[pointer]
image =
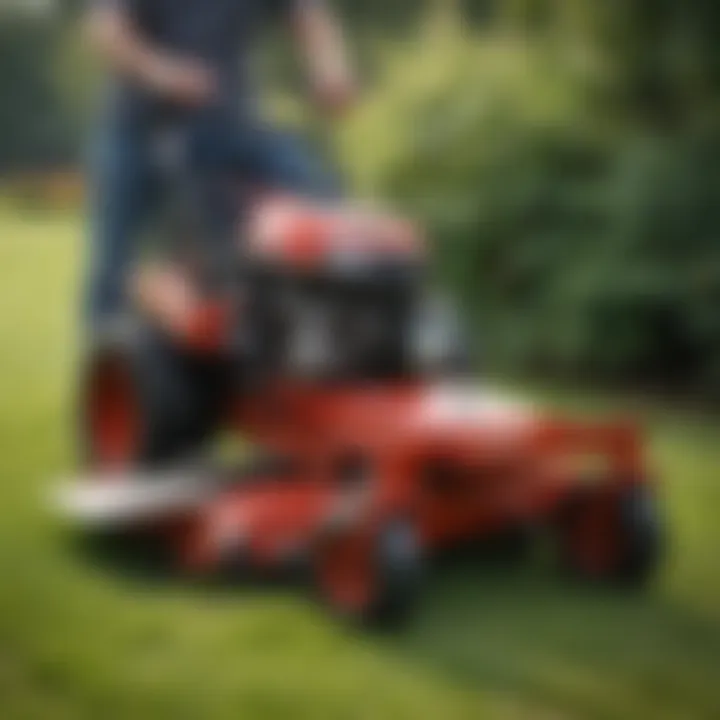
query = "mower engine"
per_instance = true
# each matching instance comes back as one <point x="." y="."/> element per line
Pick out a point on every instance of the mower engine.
<point x="324" y="295"/>
<point x="334" y="296"/>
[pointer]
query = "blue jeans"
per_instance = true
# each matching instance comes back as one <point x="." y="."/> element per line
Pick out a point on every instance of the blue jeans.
<point x="126" y="184"/>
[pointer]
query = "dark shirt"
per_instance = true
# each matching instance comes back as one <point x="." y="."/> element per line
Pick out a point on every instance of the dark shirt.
<point x="220" y="33"/>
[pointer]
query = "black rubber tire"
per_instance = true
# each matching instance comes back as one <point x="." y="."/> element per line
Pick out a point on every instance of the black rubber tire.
<point x="397" y="572"/>
<point x="512" y="546"/>
<point x="643" y="527"/>
<point x="399" y="567"/>
<point x="179" y="397"/>
<point x="637" y="533"/>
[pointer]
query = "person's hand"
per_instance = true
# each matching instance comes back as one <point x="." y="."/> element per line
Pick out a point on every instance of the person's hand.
<point x="187" y="82"/>
<point x="335" y="94"/>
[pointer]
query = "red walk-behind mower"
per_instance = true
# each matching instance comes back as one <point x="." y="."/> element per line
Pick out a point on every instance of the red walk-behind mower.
<point x="335" y="363"/>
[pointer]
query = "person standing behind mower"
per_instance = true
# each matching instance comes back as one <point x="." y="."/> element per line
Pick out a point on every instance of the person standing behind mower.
<point x="185" y="64"/>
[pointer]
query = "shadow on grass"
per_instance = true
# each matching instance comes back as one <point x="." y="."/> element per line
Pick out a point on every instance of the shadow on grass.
<point x="519" y="632"/>
<point x="587" y="651"/>
<point x="148" y="561"/>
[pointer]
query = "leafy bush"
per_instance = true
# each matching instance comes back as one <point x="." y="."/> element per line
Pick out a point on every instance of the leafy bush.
<point x="577" y="243"/>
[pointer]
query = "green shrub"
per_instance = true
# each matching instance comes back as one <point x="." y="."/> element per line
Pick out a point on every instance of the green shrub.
<point x="576" y="243"/>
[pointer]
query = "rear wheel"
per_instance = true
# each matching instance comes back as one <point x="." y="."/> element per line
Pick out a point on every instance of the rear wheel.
<point x="371" y="579"/>
<point x="145" y="403"/>
<point x="610" y="534"/>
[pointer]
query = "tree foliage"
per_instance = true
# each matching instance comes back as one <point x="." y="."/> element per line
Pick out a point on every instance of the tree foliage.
<point x="576" y="213"/>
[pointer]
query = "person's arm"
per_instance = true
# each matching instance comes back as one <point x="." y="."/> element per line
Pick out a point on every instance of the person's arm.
<point x="114" y="36"/>
<point x="322" y="43"/>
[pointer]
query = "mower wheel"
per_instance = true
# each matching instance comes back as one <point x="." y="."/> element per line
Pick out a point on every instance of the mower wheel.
<point x="610" y="535"/>
<point x="145" y="403"/>
<point x="371" y="580"/>
<point x="512" y="546"/>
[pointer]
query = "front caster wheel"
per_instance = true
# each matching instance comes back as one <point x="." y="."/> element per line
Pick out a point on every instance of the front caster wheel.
<point x="372" y="578"/>
<point x="610" y="534"/>
<point x="145" y="403"/>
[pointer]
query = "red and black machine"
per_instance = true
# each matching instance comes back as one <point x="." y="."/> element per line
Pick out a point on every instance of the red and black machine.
<point x="336" y="364"/>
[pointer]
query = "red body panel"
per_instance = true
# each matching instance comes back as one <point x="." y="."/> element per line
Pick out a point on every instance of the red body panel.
<point x="461" y="463"/>
<point x="305" y="236"/>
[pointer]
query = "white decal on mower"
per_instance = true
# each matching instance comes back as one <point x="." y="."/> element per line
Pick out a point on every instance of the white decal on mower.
<point x="462" y="404"/>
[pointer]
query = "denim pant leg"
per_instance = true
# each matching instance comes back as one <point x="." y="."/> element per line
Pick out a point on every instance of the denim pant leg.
<point x="225" y="153"/>
<point x="121" y="188"/>
<point x="282" y="161"/>
<point x="223" y="145"/>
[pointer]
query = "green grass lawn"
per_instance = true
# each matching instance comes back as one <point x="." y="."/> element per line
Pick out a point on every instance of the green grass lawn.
<point x="80" y="639"/>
